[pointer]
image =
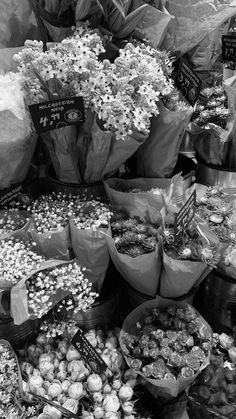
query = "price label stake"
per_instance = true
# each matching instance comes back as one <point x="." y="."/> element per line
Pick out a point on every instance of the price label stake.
<point x="184" y="216"/>
<point x="88" y="353"/>
<point x="188" y="82"/>
<point x="229" y="48"/>
<point x="57" y="113"/>
<point x="15" y="195"/>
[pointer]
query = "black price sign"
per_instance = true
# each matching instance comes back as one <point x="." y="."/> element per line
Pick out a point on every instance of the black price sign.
<point x="88" y="353"/>
<point x="57" y="113"/>
<point x="16" y="195"/>
<point x="229" y="48"/>
<point x="184" y="217"/>
<point x="188" y="82"/>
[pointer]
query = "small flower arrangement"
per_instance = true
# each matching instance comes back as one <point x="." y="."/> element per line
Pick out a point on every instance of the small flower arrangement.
<point x="192" y="247"/>
<point x="213" y="108"/>
<point x="18" y="259"/>
<point x="134" y="237"/>
<point x="42" y="288"/>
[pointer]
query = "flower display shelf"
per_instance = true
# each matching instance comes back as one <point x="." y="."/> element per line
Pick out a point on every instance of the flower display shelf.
<point x="210" y="175"/>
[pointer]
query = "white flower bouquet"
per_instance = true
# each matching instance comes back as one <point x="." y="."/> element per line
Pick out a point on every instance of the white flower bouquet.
<point x="119" y="100"/>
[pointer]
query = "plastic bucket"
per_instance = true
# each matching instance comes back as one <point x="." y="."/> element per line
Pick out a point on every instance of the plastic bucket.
<point x="89" y="191"/>
<point x="216" y="301"/>
<point x="210" y="175"/>
<point x="18" y="335"/>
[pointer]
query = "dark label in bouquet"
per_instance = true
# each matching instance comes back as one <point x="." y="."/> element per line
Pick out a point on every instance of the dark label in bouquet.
<point x="16" y="195"/>
<point x="57" y="113"/>
<point x="88" y="353"/>
<point x="229" y="48"/>
<point x="188" y="82"/>
<point x="184" y="217"/>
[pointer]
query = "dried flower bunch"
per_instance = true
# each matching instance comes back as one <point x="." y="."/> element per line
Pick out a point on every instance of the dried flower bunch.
<point x="18" y="259"/>
<point x="55" y="370"/>
<point x="11" y="220"/>
<point x="168" y="343"/>
<point x="43" y="286"/>
<point x="213" y="108"/>
<point x="192" y="246"/>
<point x="132" y="236"/>
<point x="49" y="212"/>
<point x="89" y="214"/>
<point x="219" y="212"/>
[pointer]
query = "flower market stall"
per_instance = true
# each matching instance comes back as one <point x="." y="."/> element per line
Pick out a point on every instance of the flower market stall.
<point x="117" y="209"/>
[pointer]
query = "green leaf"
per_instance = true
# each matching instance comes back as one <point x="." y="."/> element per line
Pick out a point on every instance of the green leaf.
<point x="119" y="5"/>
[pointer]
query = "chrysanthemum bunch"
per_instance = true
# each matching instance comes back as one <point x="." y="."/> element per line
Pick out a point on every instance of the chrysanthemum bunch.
<point x="43" y="286"/>
<point x="57" y="71"/>
<point x="213" y="108"/>
<point x="192" y="246"/>
<point x="134" y="237"/>
<point x="17" y="259"/>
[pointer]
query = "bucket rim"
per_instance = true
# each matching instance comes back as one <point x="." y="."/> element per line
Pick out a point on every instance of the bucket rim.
<point x="213" y="166"/>
<point x="223" y="276"/>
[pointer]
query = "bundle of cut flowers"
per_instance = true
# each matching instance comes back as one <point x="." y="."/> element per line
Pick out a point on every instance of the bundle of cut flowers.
<point x="12" y="220"/>
<point x="11" y="405"/>
<point x="54" y="369"/>
<point x="134" y="250"/>
<point x="215" y="387"/>
<point x="166" y="343"/>
<point x="56" y="282"/>
<point x="212" y="126"/>
<point x="119" y="100"/>
<point x="188" y="260"/>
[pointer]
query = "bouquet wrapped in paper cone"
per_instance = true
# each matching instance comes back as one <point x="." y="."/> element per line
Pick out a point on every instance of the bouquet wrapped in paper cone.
<point x="57" y="282"/>
<point x="143" y="197"/>
<point x="89" y="222"/>
<point x="156" y="158"/>
<point x="212" y="126"/>
<point x="134" y="250"/>
<point x="13" y="222"/>
<point x="50" y="226"/>
<point x="17" y="141"/>
<point x="188" y="261"/>
<point x="167" y="343"/>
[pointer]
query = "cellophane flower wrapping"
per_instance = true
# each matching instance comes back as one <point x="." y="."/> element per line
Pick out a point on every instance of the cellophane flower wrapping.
<point x="230" y="87"/>
<point x="141" y="271"/>
<point x="187" y="263"/>
<point x="143" y="197"/>
<point x="25" y="306"/>
<point x="17" y="141"/>
<point x="213" y="126"/>
<point x="156" y="158"/>
<point x="53" y="244"/>
<point x="12" y="222"/>
<point x="159" y="387"/>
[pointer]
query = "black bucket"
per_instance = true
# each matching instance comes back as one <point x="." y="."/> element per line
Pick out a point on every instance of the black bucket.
<point x="216" y="301"/>
<point x="18" y="335"/>
<point x="24" y="192"/>
<point x="89" y="191"/>
<point x="211" y="175"/>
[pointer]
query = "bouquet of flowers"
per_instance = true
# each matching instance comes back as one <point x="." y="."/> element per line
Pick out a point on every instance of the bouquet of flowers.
<point x="167" y="343"/>
<point x="18" y="140"/>
<point x="35" y="294"/>
<point x="156" y="158"/>
<point x="89" y="222"/>
<point x="50" y="225"/>
<point x="134" y="251"/>
<point x="142" y="196"/>
<point x="212" y="126"/>
<point x="119" y="100"/>
<point x="13" y="221"/>
<point x="187" y="262"/>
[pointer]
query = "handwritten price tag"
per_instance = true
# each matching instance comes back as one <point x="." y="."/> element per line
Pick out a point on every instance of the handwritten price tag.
<point x="57" y="113"/>
<point x="188" y="82"/>
<point x="229" y="48"/>
<point x="88" y="353"/>
<point x="184" y="216"/>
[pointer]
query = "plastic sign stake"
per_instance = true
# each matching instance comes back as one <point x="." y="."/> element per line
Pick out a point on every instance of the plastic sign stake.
<point x="188" y="82"/>
<point x="57" y="113"/>
<point x="88" y="353"/>
<point x="184" y="216"/>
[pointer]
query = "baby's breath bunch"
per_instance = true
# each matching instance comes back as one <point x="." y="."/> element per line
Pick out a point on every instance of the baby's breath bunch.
<point x="56" y="327"/>
<point x="43" y="286"/>
<point x="11" y="220"/>
<point x="17" y="259"/>
<point x="90" y="214"/>
<point x="50" y="212"/>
